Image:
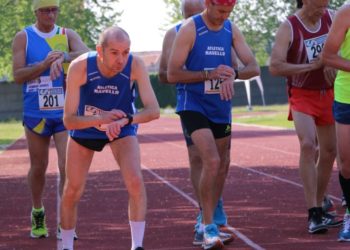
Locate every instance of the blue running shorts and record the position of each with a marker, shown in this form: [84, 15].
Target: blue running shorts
[341, 112]
[44, 126]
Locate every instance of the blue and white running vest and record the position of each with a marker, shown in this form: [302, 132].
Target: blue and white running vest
[104, 94]
[211, 48]
[43, 98]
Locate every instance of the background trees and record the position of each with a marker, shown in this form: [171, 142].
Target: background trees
[257, 19]
[87, 18]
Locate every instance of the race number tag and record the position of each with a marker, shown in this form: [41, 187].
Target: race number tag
[314, 47]
[51, 98]
[90, 111]
[212, 86]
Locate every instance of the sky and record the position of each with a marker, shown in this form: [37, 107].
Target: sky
[143, 20]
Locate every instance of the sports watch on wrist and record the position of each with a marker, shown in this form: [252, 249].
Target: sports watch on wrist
[130, 118]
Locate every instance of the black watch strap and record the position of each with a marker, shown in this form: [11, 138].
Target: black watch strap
[236, 74]
[130, 118]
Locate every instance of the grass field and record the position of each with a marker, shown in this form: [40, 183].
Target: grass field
[10, 131]
[274, 115]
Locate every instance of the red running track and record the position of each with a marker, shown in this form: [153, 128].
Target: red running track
[263, 196]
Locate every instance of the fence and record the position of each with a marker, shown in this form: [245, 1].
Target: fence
[274, 92]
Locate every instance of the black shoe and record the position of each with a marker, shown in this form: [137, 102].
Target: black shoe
[316, 225]
[139, 248]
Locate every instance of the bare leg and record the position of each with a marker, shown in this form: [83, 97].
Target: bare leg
[38, 147]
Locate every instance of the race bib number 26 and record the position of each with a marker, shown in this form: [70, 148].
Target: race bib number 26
[314, 47]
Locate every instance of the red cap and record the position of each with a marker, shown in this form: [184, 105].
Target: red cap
[224, 2]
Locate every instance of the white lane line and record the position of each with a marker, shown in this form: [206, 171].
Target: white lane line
[251, 169]
[244, 238]
[278, 178]
[263, 147]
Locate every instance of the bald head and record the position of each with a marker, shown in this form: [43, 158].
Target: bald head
[191, 7]
[113, 33]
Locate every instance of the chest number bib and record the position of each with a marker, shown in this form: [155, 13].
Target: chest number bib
[212, 86]
[51, 98]
[314, 47]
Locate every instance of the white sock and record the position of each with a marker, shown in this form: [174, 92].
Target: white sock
[67, 238]
[137, 232]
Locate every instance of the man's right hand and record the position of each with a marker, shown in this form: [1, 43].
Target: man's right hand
[51, 57]
[107, 117]
[316, 63]
[222, 72]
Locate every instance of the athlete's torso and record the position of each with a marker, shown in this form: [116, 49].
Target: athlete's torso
[341, 84]
[210, 49]
[306, 46]
[42, 97]
[104, 94]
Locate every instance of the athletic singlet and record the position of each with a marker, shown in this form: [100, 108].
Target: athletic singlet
[211, 48]
[341, 84]
[104, 94]
[305, 47]
[43, 98]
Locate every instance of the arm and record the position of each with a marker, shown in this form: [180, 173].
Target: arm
[336, 36]
[279, 65]
[76, 78]
[244, 53]
[149, 101]
[183, 43]
[76, 45]
[21, 72]
[150, 109]
[164, 58]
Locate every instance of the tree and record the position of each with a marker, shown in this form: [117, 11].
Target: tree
[257, 19]
[87, 18]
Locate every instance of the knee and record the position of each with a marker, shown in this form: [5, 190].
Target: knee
[72, 193]
[308, 148]
[136, 186]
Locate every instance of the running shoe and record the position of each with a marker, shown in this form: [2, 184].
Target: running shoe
[344, 234]
[328, 206]
[220, 217]
[58, 234]
[211, 238]
[39, 229]
[226, 238]
[316, 225]
[198, 221]
[331, 221]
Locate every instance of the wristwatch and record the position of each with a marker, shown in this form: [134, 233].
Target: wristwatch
[236, 73]
[130, 118]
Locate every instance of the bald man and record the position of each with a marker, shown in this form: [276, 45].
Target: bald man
[190, 8]
[99, 110]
